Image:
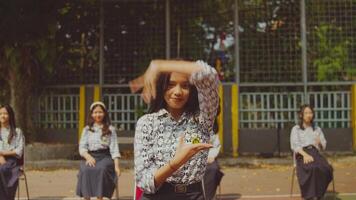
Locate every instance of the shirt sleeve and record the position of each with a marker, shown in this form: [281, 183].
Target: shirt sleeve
[114, 145]
[83, 143]
[206, 82]
[20, 143]
[144, 157]
[322, 138]
[295, 142]
[214, 151]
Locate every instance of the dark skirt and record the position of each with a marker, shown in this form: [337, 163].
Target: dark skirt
[9, 176]
[167, 193]
[98, 181]
[212, 179]
[313, 177]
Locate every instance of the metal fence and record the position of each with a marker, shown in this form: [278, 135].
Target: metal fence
[124, 109]
[307, 49]
[331, 40]
[257, 110]
[269, 110]
[57, 109]
[280, 110]
[254, 41]
[60, 108]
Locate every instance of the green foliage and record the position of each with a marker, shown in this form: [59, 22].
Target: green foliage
[332, 53]
[140, 110]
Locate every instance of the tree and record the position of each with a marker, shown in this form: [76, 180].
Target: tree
[27, 31]
[33, 44]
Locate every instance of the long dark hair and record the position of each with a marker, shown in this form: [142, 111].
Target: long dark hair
[301, 116]
[192, 105]
[106, 121]
[12, 122]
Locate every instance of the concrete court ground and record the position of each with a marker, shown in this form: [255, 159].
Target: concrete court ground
[263, 181]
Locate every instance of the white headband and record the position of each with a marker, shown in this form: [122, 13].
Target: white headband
[97, 103]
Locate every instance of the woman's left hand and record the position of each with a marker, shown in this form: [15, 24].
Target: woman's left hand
[117, 171]
[185, 151]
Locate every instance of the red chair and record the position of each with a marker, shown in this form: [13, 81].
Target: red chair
[138, 193]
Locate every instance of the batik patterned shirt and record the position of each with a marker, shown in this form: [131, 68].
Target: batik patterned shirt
[17, 143]
[92, 140]
[157, 135]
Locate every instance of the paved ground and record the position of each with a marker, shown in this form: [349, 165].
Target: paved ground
[246, 182]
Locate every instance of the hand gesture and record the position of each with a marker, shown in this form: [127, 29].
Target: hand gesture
[185, 151]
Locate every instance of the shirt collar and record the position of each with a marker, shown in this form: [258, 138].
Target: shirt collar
[164, 113]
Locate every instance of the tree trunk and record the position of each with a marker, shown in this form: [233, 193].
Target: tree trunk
[20, 90]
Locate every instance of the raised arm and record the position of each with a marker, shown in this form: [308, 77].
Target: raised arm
[157, 67]
[206, 81]
[204, 77]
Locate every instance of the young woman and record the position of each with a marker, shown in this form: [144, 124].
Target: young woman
[99, 147]
[313, 171]
[11, 150]
[171, 142]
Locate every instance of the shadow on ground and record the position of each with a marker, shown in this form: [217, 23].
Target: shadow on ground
[63, 197]
[229, 196]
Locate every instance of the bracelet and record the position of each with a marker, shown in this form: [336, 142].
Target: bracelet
[170, 166]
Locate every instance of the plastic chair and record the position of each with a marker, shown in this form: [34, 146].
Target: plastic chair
[138, 192]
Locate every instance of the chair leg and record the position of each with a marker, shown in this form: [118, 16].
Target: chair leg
[334, 192]
[18, 190]
[219, 192]
[292, 184]
[28, 194]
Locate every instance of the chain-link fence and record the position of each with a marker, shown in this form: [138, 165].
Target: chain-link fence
[269, 48]
[331, 36]
[134, 33]
[77, 41]
[276, 48]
